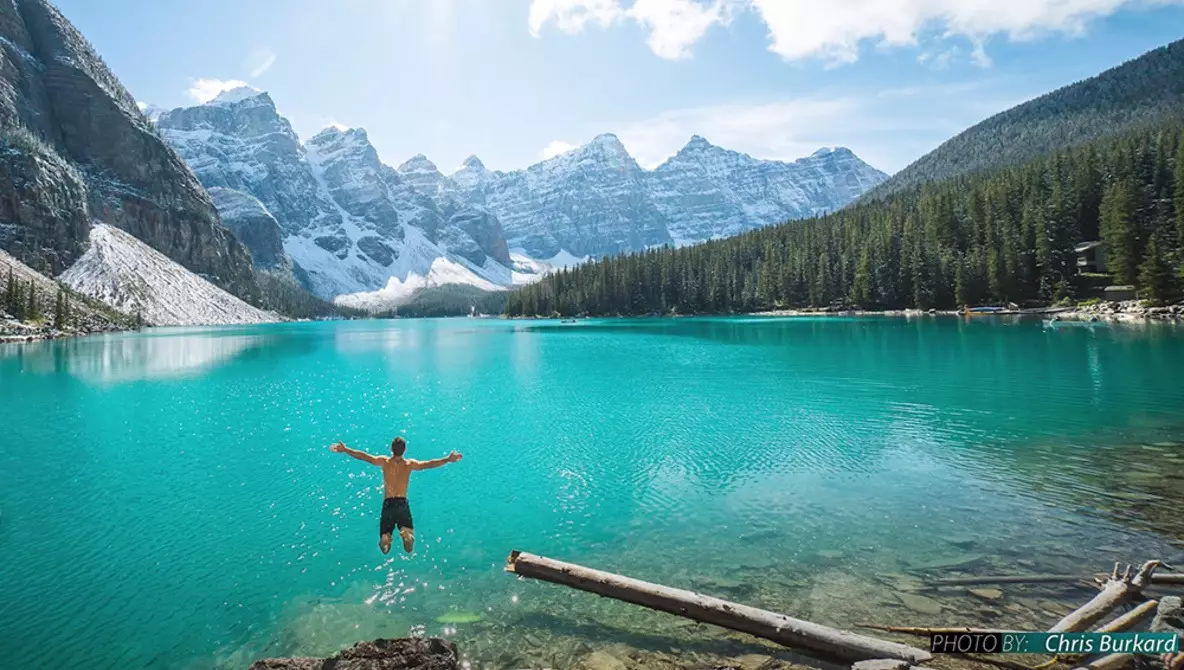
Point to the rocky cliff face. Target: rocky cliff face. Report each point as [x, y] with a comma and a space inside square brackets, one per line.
[348, 222]
[77, 147]
[253, 225]
[596, 200]
[591, 201]
[708, 192]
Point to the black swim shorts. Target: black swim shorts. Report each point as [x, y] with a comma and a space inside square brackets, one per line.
[395, 512]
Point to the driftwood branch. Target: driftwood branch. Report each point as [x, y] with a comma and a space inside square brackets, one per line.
[779, 628]
[1118, 590]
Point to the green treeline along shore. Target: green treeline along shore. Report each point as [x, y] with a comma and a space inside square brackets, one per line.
[999, 236]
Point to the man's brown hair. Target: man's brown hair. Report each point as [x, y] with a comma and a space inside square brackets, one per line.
[398, 446]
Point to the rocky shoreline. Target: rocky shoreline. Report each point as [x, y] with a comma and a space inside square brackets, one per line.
[1129, 311]
[409, 653]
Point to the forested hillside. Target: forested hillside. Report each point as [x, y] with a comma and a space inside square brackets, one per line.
[1140, 93]
[1003, 236]
[451, 300]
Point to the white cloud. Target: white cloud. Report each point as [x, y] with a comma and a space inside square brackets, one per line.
[205, 90]
[141, 105]
[834, 31]
[571, 15]
[260, 61]
[557, 147]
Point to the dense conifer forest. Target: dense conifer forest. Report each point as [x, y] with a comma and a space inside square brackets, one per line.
[999, 236]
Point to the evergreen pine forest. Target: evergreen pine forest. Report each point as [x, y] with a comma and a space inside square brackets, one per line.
[994, 237]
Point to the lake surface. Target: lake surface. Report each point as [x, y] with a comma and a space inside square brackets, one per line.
[168, 499]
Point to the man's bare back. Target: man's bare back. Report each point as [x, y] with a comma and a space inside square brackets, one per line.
[396, 475]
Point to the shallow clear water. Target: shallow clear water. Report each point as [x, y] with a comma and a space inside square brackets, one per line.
[168, 500]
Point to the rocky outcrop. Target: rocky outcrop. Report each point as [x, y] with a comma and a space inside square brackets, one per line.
[55, 87]
[253, 225]
[386, 654]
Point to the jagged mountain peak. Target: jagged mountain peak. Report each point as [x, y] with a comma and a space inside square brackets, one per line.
[240, 94]
[836, 152]
[472, 163]
[335, 133]
[606, 142]
[418, 163]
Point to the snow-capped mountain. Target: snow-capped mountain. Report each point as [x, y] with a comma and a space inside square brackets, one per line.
[350, 224]
[707, 191]
[75, 147]
[131, 276]
[596, 200]
[590, 201]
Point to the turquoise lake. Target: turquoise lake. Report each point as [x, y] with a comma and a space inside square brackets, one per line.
[168, 498]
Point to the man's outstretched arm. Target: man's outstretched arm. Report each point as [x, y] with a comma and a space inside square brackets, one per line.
[436, 462]
[360, 455]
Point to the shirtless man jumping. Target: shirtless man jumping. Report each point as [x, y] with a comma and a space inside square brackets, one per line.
[396, 471]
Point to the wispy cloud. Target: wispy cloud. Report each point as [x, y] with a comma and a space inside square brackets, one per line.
[557, 147]
[260, 61]
[887, 128]
[141, 105]
[205, 90]
[802, 29]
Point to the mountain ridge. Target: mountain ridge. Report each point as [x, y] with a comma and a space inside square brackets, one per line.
[1142, 90]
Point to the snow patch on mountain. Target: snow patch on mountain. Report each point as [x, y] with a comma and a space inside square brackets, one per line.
[422, 264]
[133, 277]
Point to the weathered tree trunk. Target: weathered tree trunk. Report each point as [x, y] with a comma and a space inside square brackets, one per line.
[1131, 619]
[779, 628]
[1116, 591]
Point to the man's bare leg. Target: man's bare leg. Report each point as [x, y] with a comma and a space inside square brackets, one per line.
[408, 536]
[384, 543]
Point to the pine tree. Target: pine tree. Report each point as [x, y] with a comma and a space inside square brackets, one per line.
[33, 311]
[1118, 232]
[59, 312]
[1178, 197]
[1156, 278]
[861, 292]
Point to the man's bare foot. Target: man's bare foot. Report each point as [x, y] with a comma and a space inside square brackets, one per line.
[384, 543]
[408, 536]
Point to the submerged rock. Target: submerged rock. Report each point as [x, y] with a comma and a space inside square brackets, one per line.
[921, 604]
[987, 594]
[387, 654]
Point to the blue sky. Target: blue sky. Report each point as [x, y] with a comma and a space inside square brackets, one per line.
[514, 80]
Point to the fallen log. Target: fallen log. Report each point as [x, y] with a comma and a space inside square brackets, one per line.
[923, 630]
[779, 628]
[1117, 590]
[1133, 618]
